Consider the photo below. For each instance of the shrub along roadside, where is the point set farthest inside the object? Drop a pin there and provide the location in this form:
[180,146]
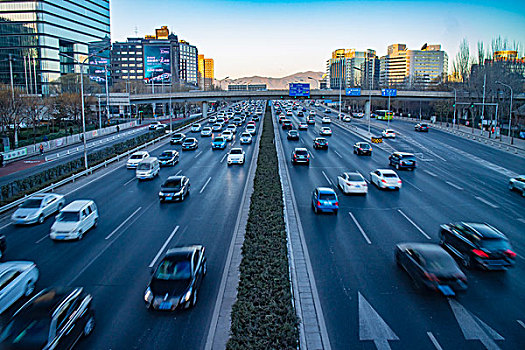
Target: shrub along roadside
[263,316]
[21,187]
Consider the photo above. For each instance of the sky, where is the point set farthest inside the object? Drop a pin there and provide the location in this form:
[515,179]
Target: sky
[277,38]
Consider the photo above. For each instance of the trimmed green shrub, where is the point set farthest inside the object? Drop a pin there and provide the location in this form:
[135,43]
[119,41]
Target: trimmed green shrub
[263,317]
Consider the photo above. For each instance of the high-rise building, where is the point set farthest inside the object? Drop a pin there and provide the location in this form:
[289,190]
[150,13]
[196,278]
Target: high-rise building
[188,63]
[126,60]
[413,68]
[206,72]
[33,34]
[351,68]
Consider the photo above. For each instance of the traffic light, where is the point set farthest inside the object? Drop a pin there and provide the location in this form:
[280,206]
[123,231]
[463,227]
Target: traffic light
[472,105]
[454,105]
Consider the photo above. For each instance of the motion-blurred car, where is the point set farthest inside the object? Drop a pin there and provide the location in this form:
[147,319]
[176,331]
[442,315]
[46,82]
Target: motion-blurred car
[352,183]
[37,208]
[55,318]
[218,143]
[157,126]
[324,199]
[327,111]
[310,120]
[246,138]
[169,158]
[136,158]
[177,138]
[196,127]
[320,143]
[517,184]
[293,135]
[362,148]
[385,178]
[176,281]
[326,120]
[206,131]
[431,266]
[402,160]
[74,220]
[325,131]
[174,188]
[477,245]
[190,143]
[236,156]
[3,247]
[300,156]
[389,134]
[17,279]
[421,127]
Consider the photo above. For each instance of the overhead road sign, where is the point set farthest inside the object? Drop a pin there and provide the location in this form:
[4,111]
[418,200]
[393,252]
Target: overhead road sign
[299,90]
[388,92]
[353,92]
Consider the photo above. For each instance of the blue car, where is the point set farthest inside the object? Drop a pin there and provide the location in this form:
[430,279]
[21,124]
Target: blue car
[324,199]
[218,143]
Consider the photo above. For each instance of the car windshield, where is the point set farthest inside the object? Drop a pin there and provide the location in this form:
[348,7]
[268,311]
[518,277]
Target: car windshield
[355,177]
[321,140]
[327,196]
[218,139]
[68,216]
[173,270]
[246,135]
[364,145]
[236,151]
[136,156]
[172,184]
[301,152]
[389,175]
[27,332]
[31,204]
[177,136]
[166,155]
[412,158]
[144,166]
[495,244]
[439,263]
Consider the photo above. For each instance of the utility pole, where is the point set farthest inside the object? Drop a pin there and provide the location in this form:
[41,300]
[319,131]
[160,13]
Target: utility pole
[25,74]
[483,105]
[454,118]
[511,138]
[107,93]
[11,75]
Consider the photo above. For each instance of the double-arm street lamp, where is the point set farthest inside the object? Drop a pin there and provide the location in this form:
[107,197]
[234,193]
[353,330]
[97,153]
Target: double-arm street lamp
[511,139]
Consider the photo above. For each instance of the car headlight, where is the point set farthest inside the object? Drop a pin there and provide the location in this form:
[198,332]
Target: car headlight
[148,296]
[161,193]
[186,296]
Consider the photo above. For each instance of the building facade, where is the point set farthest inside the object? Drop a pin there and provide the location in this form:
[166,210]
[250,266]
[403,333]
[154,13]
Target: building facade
[206,73]
[188,63]
[34,36]
[351,68]
[247,87]
[126,60]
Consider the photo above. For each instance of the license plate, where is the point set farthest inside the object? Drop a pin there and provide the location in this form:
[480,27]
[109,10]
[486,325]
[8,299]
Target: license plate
[392,187]
[357,186]
[169,198]
[60,237]
[165,305]
[446,290]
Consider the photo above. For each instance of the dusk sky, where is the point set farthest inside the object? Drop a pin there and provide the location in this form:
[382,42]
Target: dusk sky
[278,38]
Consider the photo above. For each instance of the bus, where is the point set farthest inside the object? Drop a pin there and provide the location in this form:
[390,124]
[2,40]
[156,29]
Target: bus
[384,114]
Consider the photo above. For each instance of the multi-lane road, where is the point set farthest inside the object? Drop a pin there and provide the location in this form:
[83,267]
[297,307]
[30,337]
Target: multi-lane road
[113,261]
[367,301]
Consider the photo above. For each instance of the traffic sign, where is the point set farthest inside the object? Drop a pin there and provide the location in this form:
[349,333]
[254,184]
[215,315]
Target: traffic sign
[353,91]
[299,89]
[388,92]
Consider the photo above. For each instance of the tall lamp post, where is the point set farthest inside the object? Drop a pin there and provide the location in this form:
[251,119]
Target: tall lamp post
[369,99]
[510,111]
[454,118]
[343,70]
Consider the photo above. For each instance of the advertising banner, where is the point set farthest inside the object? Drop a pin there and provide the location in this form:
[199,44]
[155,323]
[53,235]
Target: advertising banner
[157,63]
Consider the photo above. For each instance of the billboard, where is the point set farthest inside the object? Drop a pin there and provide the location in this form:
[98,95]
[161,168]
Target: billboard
[157,63]
[299,89]
[97,70]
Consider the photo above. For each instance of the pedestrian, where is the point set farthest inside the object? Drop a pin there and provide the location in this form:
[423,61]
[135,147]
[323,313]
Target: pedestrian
[118,129]
[41,149]
[70,131]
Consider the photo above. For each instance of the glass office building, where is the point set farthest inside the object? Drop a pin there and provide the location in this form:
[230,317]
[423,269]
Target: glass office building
[33,34]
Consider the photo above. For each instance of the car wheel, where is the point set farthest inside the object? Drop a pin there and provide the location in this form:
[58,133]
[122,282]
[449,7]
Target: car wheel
[90,325]
[30,288]
[41,219]
[95,223]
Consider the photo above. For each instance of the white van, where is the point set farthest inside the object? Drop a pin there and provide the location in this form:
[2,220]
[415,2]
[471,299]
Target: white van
[74,220]
[148,168]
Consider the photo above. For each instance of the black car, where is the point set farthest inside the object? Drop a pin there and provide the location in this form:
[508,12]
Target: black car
[287,124]
[177,138]
[477,245]
[320,143]
[3,247]
[190,143]
[300,114]
[175,188]
[55,318]
[402,160]
[169,157]
[255,118]
[363,148]
[176,280]
[421,127]
[300,156]
[293,135]
[431,266]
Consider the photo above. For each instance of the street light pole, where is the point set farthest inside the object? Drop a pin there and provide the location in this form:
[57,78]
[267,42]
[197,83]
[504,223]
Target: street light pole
[11,75]
[454,118]
[341,86]
[511,138]
[107,94]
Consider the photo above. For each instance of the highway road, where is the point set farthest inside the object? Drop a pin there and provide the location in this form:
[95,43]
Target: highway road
[113,261]
[367,301]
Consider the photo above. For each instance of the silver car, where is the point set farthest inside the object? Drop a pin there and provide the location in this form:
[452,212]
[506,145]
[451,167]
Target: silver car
[37,208]
[518,184]
[17,279]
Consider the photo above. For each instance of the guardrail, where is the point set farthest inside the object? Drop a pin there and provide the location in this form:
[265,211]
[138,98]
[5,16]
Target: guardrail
[90,170]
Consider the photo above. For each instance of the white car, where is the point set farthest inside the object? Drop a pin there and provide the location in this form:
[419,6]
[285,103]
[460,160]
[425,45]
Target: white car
[289,113]
[518,184]
[206,131]
[74,220]
[389,134]
[196,127]
[326,120]
[17,279]
[385,178]
[346,118]
[251,129]
[236,156]
[37,208]
[227,134]
[352,182]
[213,120]
[312,113]
[157,126]
[136,158]
[246,138]
[325,131]
[232,128]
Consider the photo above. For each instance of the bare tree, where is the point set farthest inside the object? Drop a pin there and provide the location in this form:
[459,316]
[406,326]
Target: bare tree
[11,111]
[462,63]
[481,53]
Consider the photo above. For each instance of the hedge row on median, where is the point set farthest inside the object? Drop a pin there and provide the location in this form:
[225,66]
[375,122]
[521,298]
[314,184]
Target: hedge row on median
[263,317]
[21,187]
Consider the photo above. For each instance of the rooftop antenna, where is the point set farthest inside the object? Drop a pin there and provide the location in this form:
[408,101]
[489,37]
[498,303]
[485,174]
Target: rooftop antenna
[136,31]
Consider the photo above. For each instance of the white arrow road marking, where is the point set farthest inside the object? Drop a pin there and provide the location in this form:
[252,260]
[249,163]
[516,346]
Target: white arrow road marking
[372,326]
[473,328]
[326,177]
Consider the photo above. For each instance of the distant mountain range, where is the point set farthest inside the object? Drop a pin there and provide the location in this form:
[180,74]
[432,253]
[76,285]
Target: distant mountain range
[275,83]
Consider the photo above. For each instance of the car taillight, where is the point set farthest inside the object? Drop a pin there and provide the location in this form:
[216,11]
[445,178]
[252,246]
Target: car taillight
[336,204]
[360,149]
[431,277]
[480,253]
[510,253]
[383,181]
[318,203]
[400,182]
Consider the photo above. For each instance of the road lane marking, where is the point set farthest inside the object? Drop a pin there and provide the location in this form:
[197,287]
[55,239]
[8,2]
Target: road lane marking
[490,204]
[519,219]
[198,154]
[434,341]
[178,172]
[372,326]
[414,224]
[411,184]
[340,156]
[311,154]
[127,182]
[360,228]
[521,323]
[163,247]
[326,177]
[454,185]
[41,239]
[224,156]
[6,225]
[123,223]
[430,173]
[206,184]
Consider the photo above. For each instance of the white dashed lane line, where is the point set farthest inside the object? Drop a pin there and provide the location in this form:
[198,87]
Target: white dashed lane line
[414,224]
[326,177]
[454,185]
[206,184]
[490,204]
